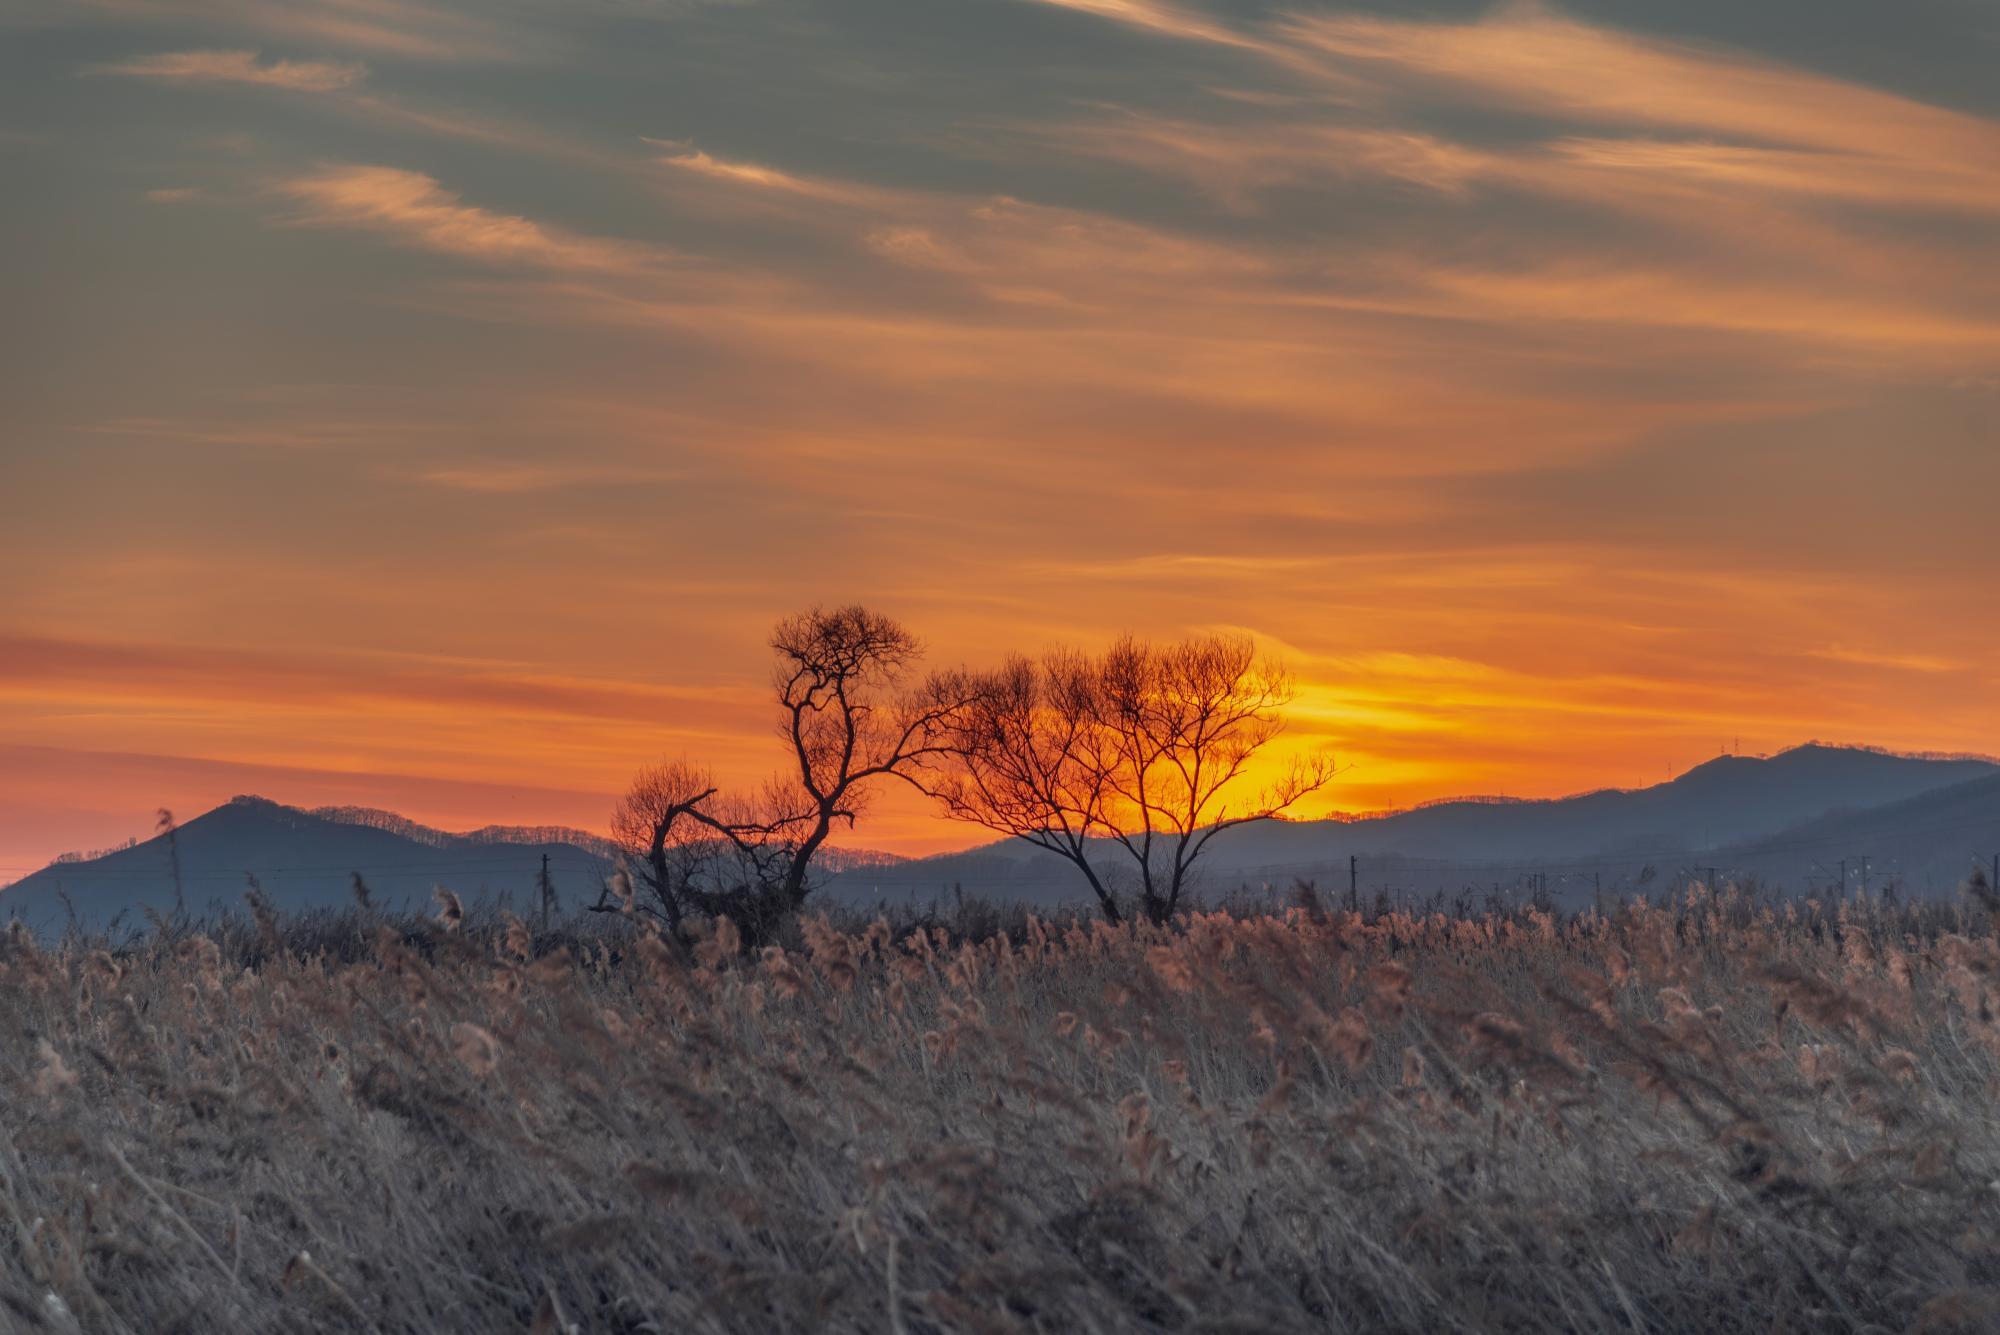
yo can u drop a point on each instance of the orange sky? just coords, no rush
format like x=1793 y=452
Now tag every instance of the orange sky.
x=433 y=406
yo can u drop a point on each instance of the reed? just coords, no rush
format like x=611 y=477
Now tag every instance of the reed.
x=1715 y=1114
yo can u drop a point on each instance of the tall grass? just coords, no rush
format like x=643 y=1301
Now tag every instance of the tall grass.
x=1710 y=1116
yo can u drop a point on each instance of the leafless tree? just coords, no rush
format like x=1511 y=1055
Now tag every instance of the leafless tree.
x=1143 y=749
x=1184 y=721
x=1024 y=757
x=839 y=683
x=662 y=814
x=847 y=721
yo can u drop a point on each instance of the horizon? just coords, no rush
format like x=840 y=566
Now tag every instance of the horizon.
x=431 y=406
x=974 y=839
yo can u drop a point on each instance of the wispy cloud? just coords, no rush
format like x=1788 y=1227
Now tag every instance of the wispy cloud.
x=499 y=130
x=512 y=479
x=1945 y=182
x=389 y=27
x=1528 y=56
x=349 y=81
x=1767 y=126
x=684 y=157
x=115 y=671
x=403 y=29
x=245 y=67
x=289 y=432
x=1635 y=294
x=1900 y=662
x=1239 y=161
x=413 y=209
x=1741 y=232
x=993 y=292
x=1158 y=17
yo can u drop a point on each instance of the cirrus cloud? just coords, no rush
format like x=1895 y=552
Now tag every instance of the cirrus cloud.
x=416 y=211
x=303 y=76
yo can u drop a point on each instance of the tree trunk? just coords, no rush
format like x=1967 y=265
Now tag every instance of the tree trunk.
x=1104 y=899
x=669 y=906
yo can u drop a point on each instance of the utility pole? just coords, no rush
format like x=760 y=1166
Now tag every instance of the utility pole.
x=547 y=886
x=172 y=831
x=1354 y=882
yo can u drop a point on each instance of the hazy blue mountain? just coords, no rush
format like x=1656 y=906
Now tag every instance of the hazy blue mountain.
x=308 y=859
x=1602 y=839
x=302 y=860
x=1726 y=800
x=1926 y=845
x=1788 y=819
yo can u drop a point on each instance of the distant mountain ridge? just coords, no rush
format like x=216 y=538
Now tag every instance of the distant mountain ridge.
x=308 y=859
x=301 y=860
x=375 y=818
x=1789 y=818
x=1930 y=842
x=1974 y=759
x=1728 y=803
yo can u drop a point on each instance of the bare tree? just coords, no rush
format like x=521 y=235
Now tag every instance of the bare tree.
x=847 y=722
x=1024 y=757
x=1184 y=722
x=1144 y=749
x=839 y=678
x=657 y=816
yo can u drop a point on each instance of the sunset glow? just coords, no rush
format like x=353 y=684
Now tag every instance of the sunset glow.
x=432 y=405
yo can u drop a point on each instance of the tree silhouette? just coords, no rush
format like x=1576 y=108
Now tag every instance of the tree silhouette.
x=839 y=680
x=847 y=722
x=1024 y=757
x=1143 y=749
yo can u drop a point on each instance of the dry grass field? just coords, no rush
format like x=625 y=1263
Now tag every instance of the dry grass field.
x=1714 y=1116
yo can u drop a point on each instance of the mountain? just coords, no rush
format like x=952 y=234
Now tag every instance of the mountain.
x=1788 y=819
x=1606 y=838
x=1726 y=800
x=307 y=859
x=303 y=860
x=1925 y=845
x=376 y=818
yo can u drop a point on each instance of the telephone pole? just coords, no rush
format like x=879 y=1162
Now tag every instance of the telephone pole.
x=547 y=886
x=1354 y=882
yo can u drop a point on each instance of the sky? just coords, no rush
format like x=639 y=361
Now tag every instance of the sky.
x=432 y=405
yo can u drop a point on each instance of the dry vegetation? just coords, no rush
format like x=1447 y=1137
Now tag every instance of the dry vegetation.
x=1718 y=1116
